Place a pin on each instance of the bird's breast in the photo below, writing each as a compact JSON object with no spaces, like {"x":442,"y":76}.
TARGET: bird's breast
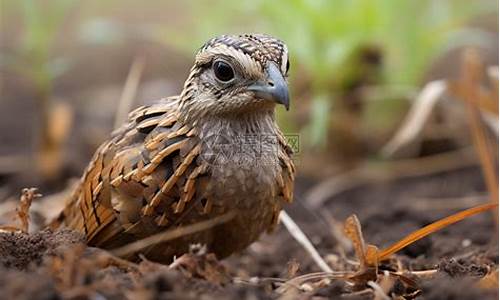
{"x":246,"y":181}
{"x":243,"y":166}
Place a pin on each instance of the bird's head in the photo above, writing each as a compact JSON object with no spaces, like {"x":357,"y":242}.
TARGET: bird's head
{"x":237,"y":74}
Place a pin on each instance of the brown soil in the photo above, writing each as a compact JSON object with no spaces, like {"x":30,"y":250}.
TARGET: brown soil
{"x":48,"y":265}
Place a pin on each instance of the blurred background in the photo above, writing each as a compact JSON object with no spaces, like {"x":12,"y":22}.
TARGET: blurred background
{"x":357,"y":68}
{"x":395,"y":105}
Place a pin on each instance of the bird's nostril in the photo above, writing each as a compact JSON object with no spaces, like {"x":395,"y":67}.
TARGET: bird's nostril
{"x":270,"y":83}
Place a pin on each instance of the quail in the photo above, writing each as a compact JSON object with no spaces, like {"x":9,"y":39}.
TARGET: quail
{"x":213,"y":149}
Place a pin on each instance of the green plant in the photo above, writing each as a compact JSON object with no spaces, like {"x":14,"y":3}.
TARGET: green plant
{"x":41,"y":22}
{"x":323,"y":34}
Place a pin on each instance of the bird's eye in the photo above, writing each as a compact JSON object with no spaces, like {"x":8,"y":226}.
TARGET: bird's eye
{"x":287,"y":66}
{"x":223,"y":71}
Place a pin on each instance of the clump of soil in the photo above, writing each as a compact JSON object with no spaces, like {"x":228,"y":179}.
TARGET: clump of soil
{"x":444,"y":287}
{"x":20,"y":251}
{"x":54,"y":265}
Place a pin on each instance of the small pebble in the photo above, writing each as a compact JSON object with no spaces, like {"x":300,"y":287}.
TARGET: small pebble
{"x":466,"y":243}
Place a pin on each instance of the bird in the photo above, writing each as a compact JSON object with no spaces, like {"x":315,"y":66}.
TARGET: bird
{"x":212,"y":150}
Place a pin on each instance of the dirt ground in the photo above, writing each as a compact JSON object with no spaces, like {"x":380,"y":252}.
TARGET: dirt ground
{"x":47,"y":265}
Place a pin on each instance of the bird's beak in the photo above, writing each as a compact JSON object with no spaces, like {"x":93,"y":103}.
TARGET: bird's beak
{"x":274,"y":88}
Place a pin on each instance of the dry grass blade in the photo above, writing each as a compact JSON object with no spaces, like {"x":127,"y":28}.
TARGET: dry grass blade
{"x":470,"y":73}
{"x":470,"y":89}
{"x":367,"y":254}
{"x":302,"y":239}
{"x":485,"y":100}
{"x":296,"y":282}
{"x":431,"y":228}
{"x":352,"y":229}
{"x":171,"y":234}
{"x":23,"y":210}
{"x":129,"y":90}
{"x":493,"y":77}
{"x":420,"y":274}
{"x":386,"y":171}
{"x":381,"y":289}
{"x":417,"y":117}
{"x":56,"y":132}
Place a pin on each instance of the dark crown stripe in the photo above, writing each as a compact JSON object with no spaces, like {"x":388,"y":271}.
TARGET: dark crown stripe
{"x":260,"y":47}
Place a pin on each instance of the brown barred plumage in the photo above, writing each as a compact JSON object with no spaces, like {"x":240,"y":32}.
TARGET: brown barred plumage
{"x":165,"y":168}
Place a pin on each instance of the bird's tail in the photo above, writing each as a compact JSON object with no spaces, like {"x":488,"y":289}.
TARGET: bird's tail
{"x":70,"y":215}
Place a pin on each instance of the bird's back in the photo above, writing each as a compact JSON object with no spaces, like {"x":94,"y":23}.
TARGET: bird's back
{"x":133,"y":177}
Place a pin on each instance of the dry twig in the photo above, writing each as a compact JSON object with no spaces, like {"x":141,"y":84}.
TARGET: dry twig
{"x":417,"y":117}
{"x":129,"y":90}
{"x":302,"y":239}
{"x":387,"y":171}
{"x":469,"y":89}
{"x":171,"y":234}
{"x":380,"y":291}
{"x":23,"y":210}
{"x":431,"y":228}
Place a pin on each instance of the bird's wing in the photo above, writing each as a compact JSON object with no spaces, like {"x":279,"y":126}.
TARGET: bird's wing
{"x":147,"y":178}
{"x":285,"y":178}
{"x":285,"y":155}
{"x":140,"y":181}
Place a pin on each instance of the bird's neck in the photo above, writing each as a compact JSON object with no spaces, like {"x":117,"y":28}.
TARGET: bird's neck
{"x":233,"y":126}
{"x":246,"y":142}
